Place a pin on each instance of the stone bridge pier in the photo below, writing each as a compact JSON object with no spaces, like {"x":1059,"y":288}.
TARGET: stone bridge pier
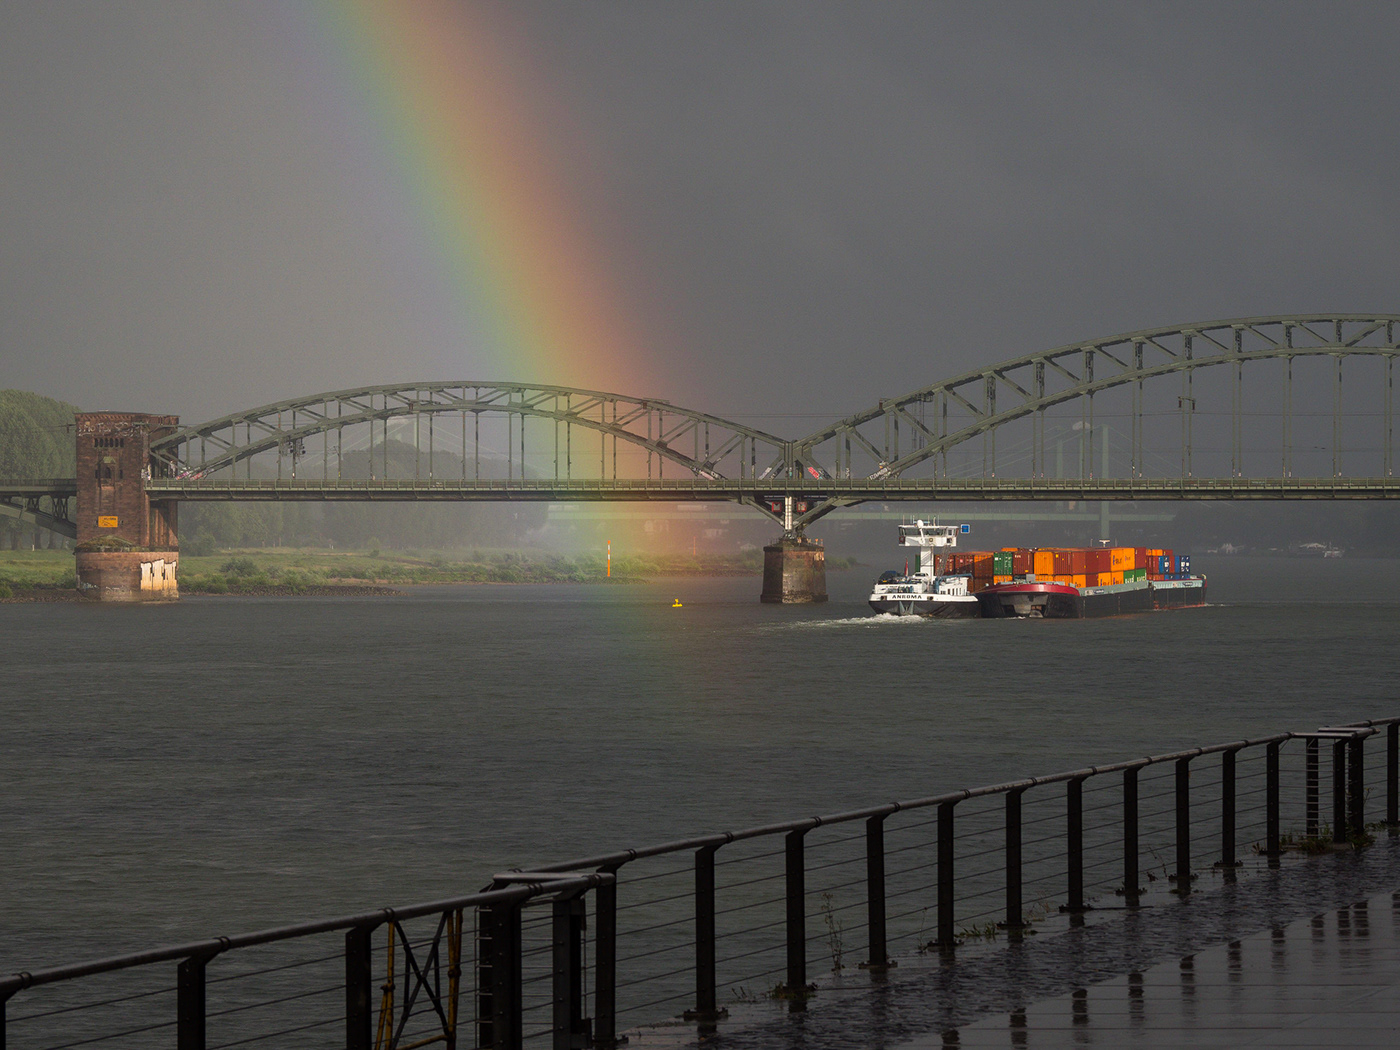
{"x":794,"y":568}
{"x":127,"y":546}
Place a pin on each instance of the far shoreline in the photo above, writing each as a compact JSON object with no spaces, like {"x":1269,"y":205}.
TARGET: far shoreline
{"x":44,"y":577}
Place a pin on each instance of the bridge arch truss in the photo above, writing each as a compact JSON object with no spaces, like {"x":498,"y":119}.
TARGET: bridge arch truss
{"x":915,"y":433}
{"x":466,"y":427}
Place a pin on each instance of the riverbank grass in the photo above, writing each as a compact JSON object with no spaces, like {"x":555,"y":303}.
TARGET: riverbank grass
{"x":310,"y":570}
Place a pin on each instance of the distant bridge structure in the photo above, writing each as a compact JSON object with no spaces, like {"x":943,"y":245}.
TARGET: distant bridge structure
{"x":1280,"y":407}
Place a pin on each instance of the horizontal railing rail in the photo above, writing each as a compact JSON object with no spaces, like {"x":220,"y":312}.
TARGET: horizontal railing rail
{"x":689,"y":926}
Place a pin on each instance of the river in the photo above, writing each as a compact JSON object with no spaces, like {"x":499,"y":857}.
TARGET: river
{"x":234,"y":763}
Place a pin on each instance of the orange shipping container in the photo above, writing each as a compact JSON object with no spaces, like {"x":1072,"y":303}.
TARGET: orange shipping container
{"x":1120,"y":558}
{"x":1001,"y":579}
{"x":1044,"y":563}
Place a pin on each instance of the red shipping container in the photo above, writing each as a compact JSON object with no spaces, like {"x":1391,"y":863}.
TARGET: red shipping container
{"x":1100,"y":559}
{"x":1021,"y":562}
{"x":1079,"y":559}
{"x":1139,"y":557}
{"x":1064,"y":563}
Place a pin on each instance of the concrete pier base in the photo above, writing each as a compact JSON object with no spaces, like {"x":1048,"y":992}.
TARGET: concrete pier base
{"x":794,"y":572}
{"x":128,"y":576}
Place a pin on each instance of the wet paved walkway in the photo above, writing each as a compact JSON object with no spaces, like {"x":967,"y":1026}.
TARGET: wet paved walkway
{"x":1332,"y":980}
{"x":1304,"y":955}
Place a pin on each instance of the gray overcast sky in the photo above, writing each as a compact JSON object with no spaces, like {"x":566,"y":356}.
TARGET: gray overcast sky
{"x":808,"y":206}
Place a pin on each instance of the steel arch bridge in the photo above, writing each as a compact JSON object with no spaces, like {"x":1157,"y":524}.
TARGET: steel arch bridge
{"x":470,"y":440}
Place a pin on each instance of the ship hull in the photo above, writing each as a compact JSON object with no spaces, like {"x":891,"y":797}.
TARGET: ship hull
{"x":941,"y":609}
{"x":1179,"y":594}
{"x":1061,"y":601}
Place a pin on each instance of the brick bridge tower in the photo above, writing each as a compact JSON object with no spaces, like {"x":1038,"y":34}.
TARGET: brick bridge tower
{"x":127,"y":548}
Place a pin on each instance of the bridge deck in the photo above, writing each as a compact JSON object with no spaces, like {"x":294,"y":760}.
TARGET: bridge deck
{"x":748,"y":490}
{"x":55,"y":488}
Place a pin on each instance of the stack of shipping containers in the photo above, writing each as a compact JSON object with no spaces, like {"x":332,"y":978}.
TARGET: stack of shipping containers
{"x":1077,"y":566}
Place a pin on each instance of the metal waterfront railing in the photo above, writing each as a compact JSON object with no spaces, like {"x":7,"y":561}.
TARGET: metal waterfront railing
{"x":574,"y":954}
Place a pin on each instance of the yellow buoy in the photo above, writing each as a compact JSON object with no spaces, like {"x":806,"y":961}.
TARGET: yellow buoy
{"x":676,"y":604}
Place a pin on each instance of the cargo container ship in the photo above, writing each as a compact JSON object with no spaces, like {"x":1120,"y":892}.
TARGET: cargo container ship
{"x":1049,"y":583}
{"x":1076,"y":582}
{"x":928,"y":590}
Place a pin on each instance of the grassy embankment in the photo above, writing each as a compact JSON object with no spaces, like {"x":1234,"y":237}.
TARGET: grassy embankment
{"x":309,"y":571}
{"x":26,"y":572}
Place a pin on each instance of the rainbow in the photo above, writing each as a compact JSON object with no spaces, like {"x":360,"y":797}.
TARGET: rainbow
{"x":531,"y":283}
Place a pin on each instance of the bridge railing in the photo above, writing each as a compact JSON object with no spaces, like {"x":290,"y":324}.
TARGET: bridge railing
{"x":574,"y":954}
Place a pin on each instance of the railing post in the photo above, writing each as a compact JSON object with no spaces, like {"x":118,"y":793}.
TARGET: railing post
{"x":189,"y":996}
{"x":879,"y":955}
{"x":569,"y":919}
{"x":498,"y":977}
{"x":1356,"y":785}
{"x":1392,"y":775}
{"x":1131,"y":889}
{"x":359,"y":976}
{"x":796,"y":915}
{"x":1227,"y":814}
{"x":485,"y":991}
{"x":1183,"y":825}
{"x":1074,"y":844}
{"x":945,"y":875}
{"x":1339,"y":792}
{"x":1310,"y":786}
{"x":706,"y":995}
{"x":1272,"y":845}
{"x":605,"y":962}
{"x":1015,"y":919}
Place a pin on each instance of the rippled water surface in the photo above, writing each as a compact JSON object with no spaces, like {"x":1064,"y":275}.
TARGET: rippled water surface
{"x":232,"y":763}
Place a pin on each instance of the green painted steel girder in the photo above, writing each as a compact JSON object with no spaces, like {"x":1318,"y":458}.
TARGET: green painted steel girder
{"x":758,"y":491}
{"x":54,"y":488}
{"x":1245,"y":339}
{"x":265,"y":430}
{"x":26,"y":509}
{"x":1047,"y":378}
